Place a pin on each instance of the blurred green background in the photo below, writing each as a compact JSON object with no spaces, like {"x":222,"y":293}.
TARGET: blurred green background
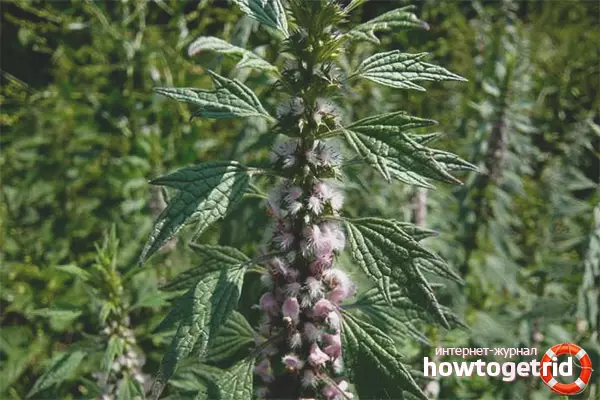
{"x":82,"y":133}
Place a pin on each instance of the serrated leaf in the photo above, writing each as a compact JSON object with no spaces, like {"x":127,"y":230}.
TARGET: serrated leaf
{"x":401,"y":18}
{"x":235,"y":335}
{"x":401,"y":70}
{"x":113,"y":350}
{"x":236,"y":382}
{"x":368,"y":351}
{"x":383,"y":143}
{"x":230,"y":99}
{"x":205,"y":192}
{"x":214,"y":258}
{"x":387,"y":254}
{"x":62,"y":368}
{"x":268,"y":12}
{"x":202,"y":312}
{"x":249,"y":59}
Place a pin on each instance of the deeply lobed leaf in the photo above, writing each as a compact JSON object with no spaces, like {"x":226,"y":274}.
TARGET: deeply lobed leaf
{"x":401,"y":70}
{"x":268,"y":12}
{"x":387,"y":254}
{"x":400,"y":18}
{"x":249,"y":59}
{"x":205,"y":191}
{"x":230,"y":99}
{"x":383,"y":143}
{"x":202,"y":311}
{"x":368,"y":352}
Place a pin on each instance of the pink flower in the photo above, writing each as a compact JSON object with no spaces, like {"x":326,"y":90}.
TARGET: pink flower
{"x":333,"y":320}
{"x":339,"y":391}
{"x":315,"y":205}
{"x":338,"y":365}
{"x":311,"y":332}
{"x":334,"y":348}
{"x":322,"y":308}
{"x":294,"y":207}
{"x":309,"y":379}
{"x":284,"y":240}
{"x":291,"y":309}
{"x":315,"y":287}
{"x":317,"y":357}
{"x":336,"y":200}
{"x":322,"y":262}
{"x":292,"y":362}
{"x":293,"y":289}
{"x":332,"y":232}
{"x":312,"y":236}
{"x":340,"y":283}
{"x":293,"y":193}
{"x":269,"y":304}
{"x":295,"y":340}
{"x":263,"y":369}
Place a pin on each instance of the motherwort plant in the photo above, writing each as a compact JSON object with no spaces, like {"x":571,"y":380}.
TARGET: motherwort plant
{"x":313,"y":341}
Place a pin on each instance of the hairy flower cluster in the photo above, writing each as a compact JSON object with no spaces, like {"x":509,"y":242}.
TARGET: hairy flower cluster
{"x":300,"y":338}
{"x":128,"y":364}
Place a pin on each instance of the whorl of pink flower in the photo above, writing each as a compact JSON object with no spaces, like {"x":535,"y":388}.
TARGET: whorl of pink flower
{"x":292,"y":362}
{"x":291,"y":309}
{"x":334,"y":347}
{"x":322,"y":308}
{"x":269,"y":304}
{"x":317,"y":357}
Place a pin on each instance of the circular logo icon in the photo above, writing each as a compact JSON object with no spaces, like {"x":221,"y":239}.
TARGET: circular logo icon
{"x":548,"y":366}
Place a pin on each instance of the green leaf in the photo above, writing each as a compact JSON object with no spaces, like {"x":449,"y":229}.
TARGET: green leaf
{"x":399,"y":319}
{"x":201,"y":313}
{"x":401,"y":70}
{"x":73,"y":270}
{"x":400,"y":18}
{"x":249,"y":59}
{"x":235,"y":335}
{"x":61,"y":369}
{"x":370,"y":353}
{"x":214,"y":258}
{"x":113,"y":350}
{"x":129,"y":389}
{"x":206,"y":192}
{"x":268,"y":12}
{"x":236,"y":382}
{"x":230,"y":99}
{"x":383,"y":143}
{"x":387,"y":254}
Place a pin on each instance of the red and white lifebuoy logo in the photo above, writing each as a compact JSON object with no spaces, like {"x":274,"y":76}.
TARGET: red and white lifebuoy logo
{"x":548,"y":368}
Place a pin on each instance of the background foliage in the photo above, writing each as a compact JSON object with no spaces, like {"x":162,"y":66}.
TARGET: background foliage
{"x":83,"y":132}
